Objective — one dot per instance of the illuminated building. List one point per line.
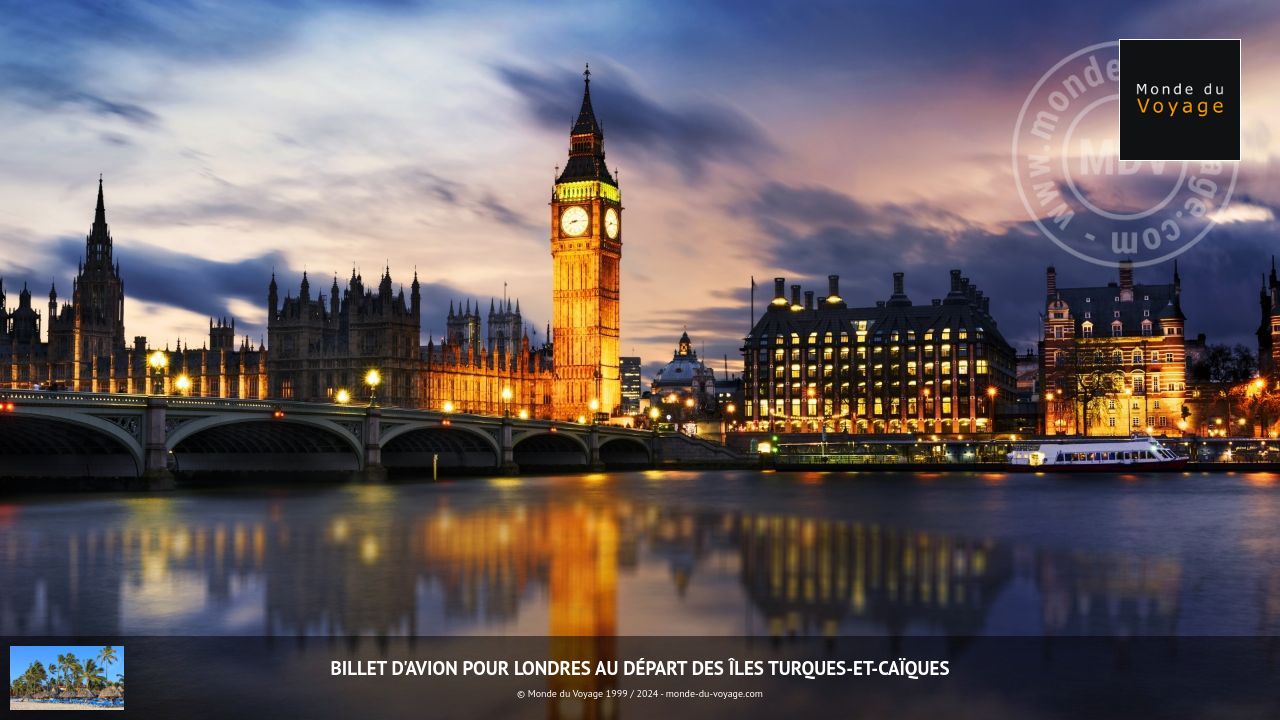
(632, 385)
(1269, 328)
(897, 367)
(324, 345)
(1113, 358)
(685, 378)
(86, 350)
(586, 252)
(320, 345)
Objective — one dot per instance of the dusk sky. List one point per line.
(759, 138)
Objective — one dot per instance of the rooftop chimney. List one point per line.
(779, 292)
(899, 297)
(833, 288)
(808, 300)
(1126, 280)
(1051, 281)
(795, 297)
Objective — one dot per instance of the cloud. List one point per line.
(830, 232)
(688, 136)
(334, 203)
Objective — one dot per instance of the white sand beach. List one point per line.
(34, 705)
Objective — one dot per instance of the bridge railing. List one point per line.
(183, 402)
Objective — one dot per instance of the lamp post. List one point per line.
(1128, 410)
(158, 361)
(373, 379)
(1048, 409)
(182, 384)
(653, 417)
(506, 402)
(342, 397)
(992, 392)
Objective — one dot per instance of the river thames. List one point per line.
(656, 553)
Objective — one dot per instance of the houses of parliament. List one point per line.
(320, 345)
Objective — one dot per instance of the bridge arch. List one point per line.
(625, 452)
(35, 442)
(415, 445)
(296, 443)
(550, 450)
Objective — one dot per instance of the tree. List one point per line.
(107, 656)
(36, 675)
(1224, 366)
(1224, 373)
(91, 676)
(1087, 375)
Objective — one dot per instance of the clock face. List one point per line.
(611, 223)
(574, 220)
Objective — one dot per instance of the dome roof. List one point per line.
(684, 368)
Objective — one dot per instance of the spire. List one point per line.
(98, 242)
(586, 115)
(586, 143)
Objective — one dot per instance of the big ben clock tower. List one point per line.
(586, 252)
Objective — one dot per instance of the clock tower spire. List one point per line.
(586, 252)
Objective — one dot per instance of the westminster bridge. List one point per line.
(87, 435)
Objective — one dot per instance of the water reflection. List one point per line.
(362, 562)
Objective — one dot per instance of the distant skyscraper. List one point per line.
(631, 383)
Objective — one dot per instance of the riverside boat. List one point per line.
(1130, 455)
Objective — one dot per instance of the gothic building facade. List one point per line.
(897, 367)
(322, 344)
(1269, 327)
(586, 253)
(84, 349)
(1113, 357)
(325, 345)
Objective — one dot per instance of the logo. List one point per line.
(1180, 99)
(1082, 195)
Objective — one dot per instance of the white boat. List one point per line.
(1099, 455)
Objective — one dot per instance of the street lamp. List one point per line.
(182, 383)
(158, 361)
(1128, 410)
(653, 416)
(373, 379)
(992, 391)
(524, 414)
(342, 396)
(506, 398)
(447, 407)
